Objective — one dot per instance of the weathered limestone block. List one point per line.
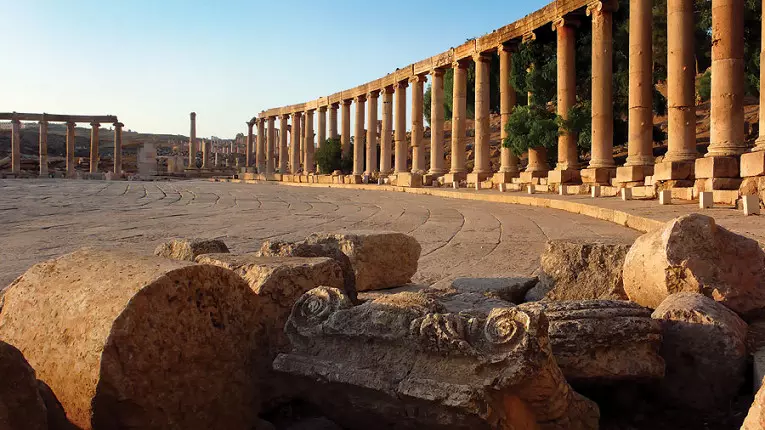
(21, 405)
(581, 271)
(379, 260)
(134, 341)
(280, 281)
(400, 362)
(189, 249)
(755, 419)
(692, 253)
(603, 340)
(704, 348)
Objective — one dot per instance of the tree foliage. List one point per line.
(531, 126)
(329, 157)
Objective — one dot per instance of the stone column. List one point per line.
(70, 139)
(436, 125)
(537, 166)
(602, 166)
(481, 169)
(507, 99)
(358, 136)
(345, 138)
(371, 161)
(248, 148)
(260, 149)
(94, 147)
(640, 143)
(43, 147)
(459, 108)
(321, 134)
(295, 143)
(566, 171)
(308, 165)
(270, 140)
(333, 121)
(753, 164)
(302, 140)
(15, 146)
(387, 130)
(118, 148)
(283, 143)
(402, 151)
(206, 154)
(193, 141)
(418, 152)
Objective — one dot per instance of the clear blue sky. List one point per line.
(151, 62)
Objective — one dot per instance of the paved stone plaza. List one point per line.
(43, 219)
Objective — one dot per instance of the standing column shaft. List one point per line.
(193, 141)
(295, 143)
(248, 148)
(43, 147)
(270, 140)
(437, 122)
(260, 148)
(302, 140)
(640, 142)
(459, 107)
(681, 89)
(283, 143)
(760, 144)
(333, 121)
(205, 154)
(602, 85)
(726, 134)
(15, 146)
(309, 145)
(94, 147)
(345, 138)
(358, 137)
(418, 152)
(371, 161)
(321, 133)
(387, 130)
(507, 101)
(567, 151)
(118, 148)
(70, 138)
(400, 128)
(482, 64)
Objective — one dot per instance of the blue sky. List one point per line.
(151, 62)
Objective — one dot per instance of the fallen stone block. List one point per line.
(400, 362)
(189, 249)
(21, 405)
(693, 254)
(704, 347)
(602, 341)
(134, 341)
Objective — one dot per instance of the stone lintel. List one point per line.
(598, 175)
(565, 176)
(673, 170)
(752, 164)
(716, 167)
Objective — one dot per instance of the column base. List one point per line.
(528, 177)
(454, 177)
(716, 167)
(673, 170)
(564, 176)
(632, 173)
(473, 178)
(504, 177)
(715, 184)
(598, 175)
(752, 164)
(430, 177)
(353, 179)
(406, 179)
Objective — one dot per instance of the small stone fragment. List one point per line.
(189, 249)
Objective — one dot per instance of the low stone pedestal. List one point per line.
(454, 177)
(532, 177)
(567, 176)
(338, 179)
(716, 167)
(673, 170)
(598, 175)
(752, 164)
(353, 179)
(628, 174)
(411, 180)
(504, 177)
(473, 178)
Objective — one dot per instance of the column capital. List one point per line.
(566, 21)
(284, 117)
(322, 108)
(402, 85)
(528, 37)
(509, 46)
(437, 72)
(193, 115)
(334, 106)
(95, 124)
(296, 115)
(482, 57)
(250, 123)
(387, 90)
(118, 125)
(71, 124)
(417, 79)
(360, 99)
(373, 94)
(15, 121)
(602, 6)
(347, 102)
(460, 64)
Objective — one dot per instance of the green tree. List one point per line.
(531, 127)
(329, 157)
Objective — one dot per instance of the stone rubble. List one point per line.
(189, 249)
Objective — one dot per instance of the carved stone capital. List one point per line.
(528, 37)
(418, 79)
(322, 108)
(565, 21)
(461, 64)
(360, 99)
(484, 57)
(95, 124)
(118, 125)
(602, 7)
(437, 73)
(347, 102)
(402, 84)
(373, 94)
(296, 116)
(387, 90)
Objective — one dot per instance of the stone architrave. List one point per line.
(400, 361)
(189, 249)
(137, 341)
(693, 254)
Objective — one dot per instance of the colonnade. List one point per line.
(682, 160)
(71, 123)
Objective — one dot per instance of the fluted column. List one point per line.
(568, 158)
(358, 136)
(681, 82)
(400, 128)
(437, 123)
(283, 143)
(193, 141)
(387, 130)
(270, 138)
(118, 148)
(371, 159)
(295, 134)
(43, 147)
(418, 152)
(308, 165)
(321, 133)
(15, 146)
(248, 148)
(726, 134)
(345, 138)
(459, 109)
(507, 101)
(482, 131)
(70, 139)
(94, 146)
(602, 85)
(333, 121)
(640, 143)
